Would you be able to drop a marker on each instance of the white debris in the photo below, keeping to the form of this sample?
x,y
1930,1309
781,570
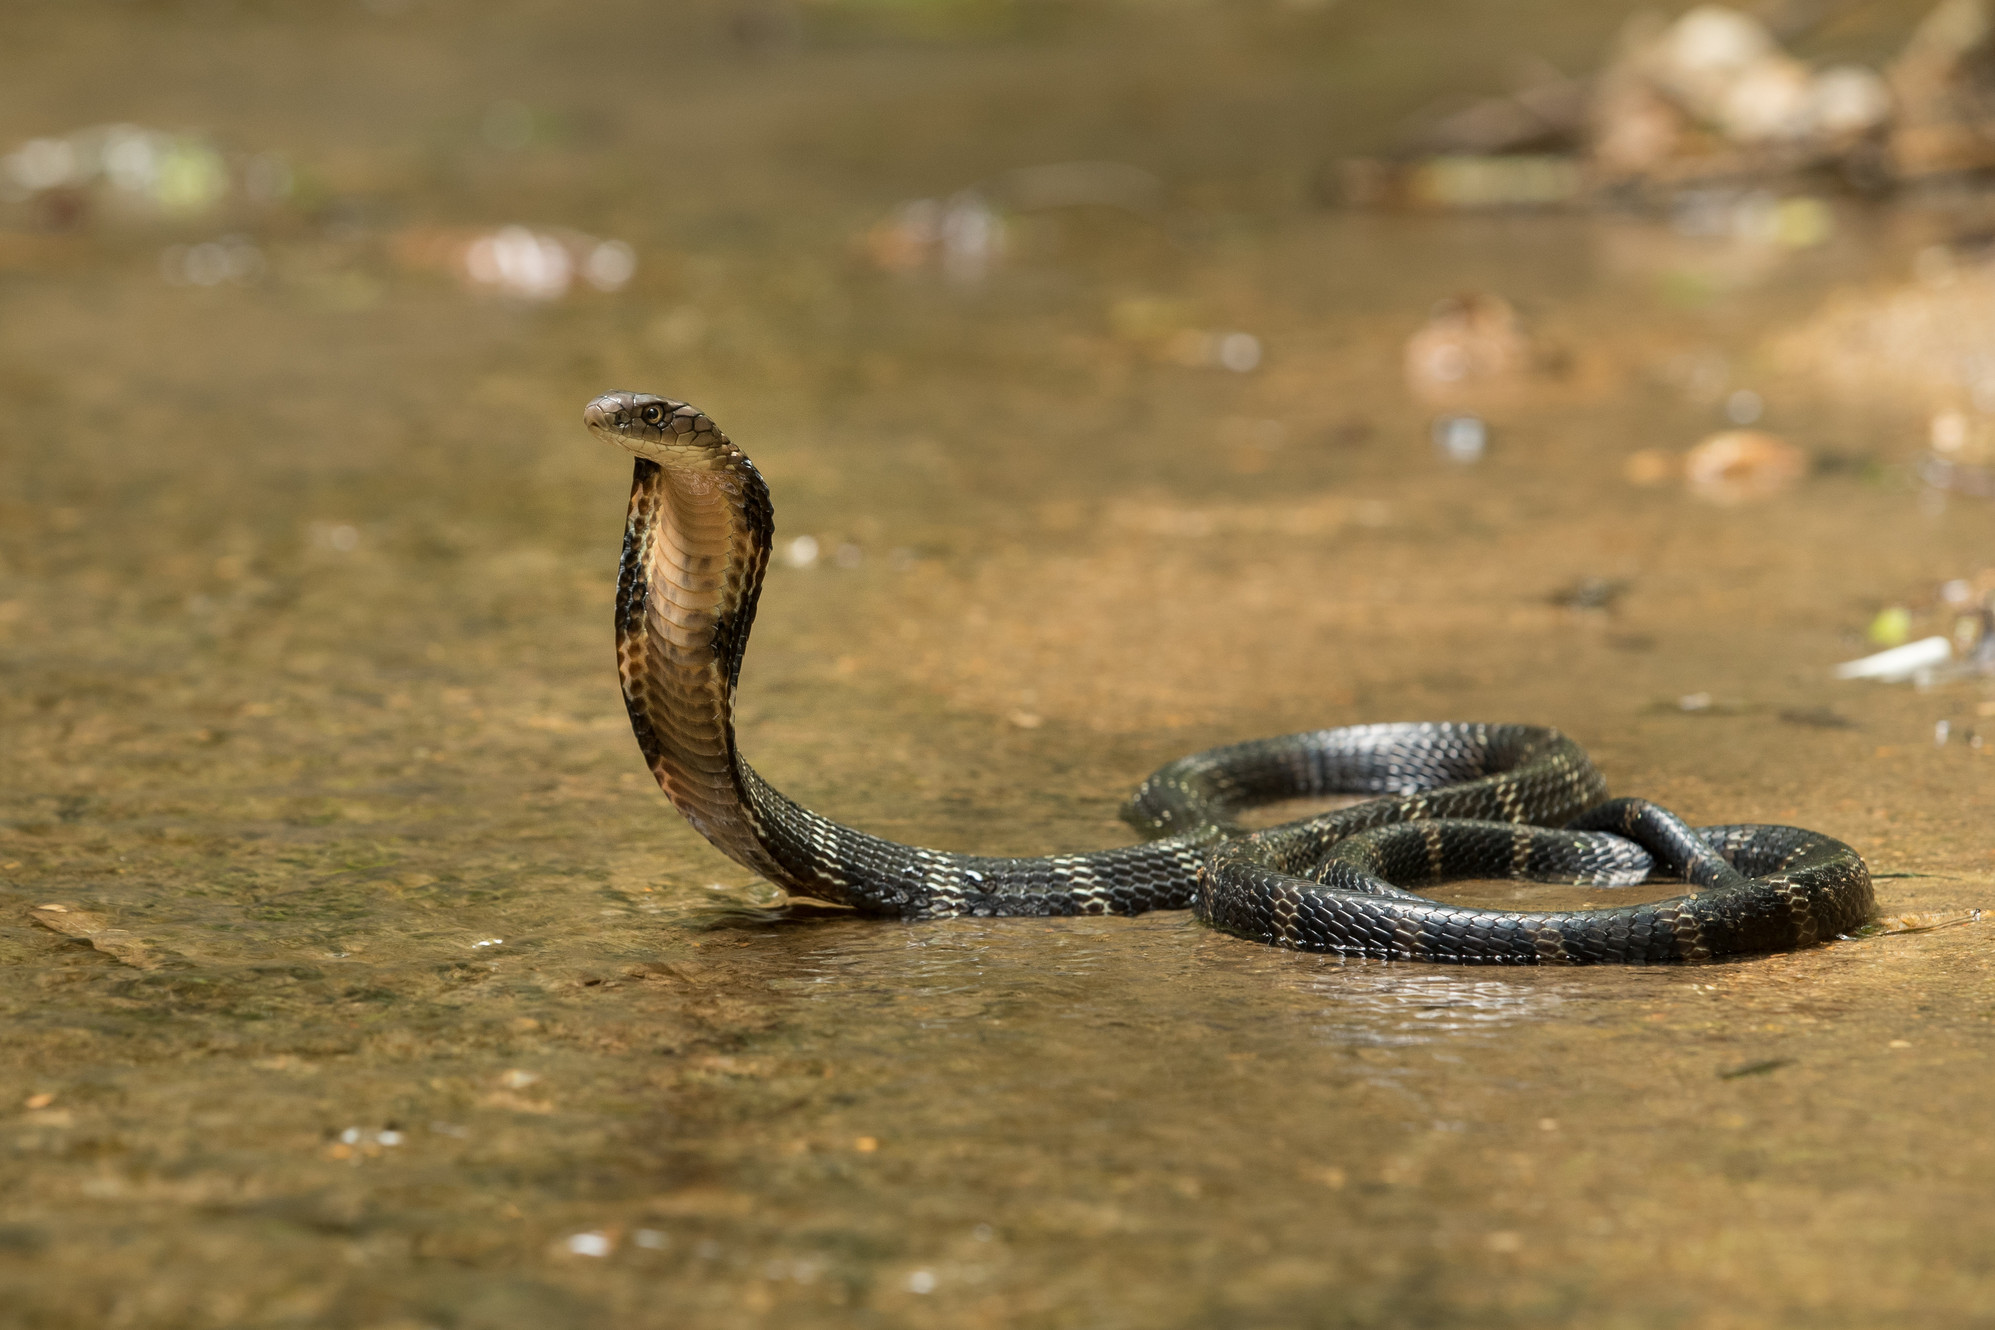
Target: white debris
x,y
543,265
520,262
610,265
1240,352
962,233
1846,101
183,174
1460,439
1744,407
1899,663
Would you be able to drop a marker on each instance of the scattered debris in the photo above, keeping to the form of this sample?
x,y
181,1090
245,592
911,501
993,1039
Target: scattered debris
x,y
1944,82
1709,101
963,235
1755,215
1958,620
518,260
1468,342
1713,96
541,266
134,171
1739,465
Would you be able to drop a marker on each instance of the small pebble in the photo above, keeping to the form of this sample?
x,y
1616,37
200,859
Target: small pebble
x,y
590,1244
1240,352
1460,439
1468,342
1744,407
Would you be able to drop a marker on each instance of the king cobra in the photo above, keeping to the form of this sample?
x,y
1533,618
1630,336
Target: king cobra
x,y
1453,800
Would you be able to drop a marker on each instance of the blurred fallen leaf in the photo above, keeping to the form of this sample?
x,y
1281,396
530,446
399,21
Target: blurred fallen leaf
x,y
94,928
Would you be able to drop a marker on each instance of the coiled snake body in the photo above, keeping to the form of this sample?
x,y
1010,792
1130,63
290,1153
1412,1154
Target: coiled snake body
x,y
1454,799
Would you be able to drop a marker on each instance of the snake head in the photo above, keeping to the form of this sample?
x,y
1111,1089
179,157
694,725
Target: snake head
x,y
661,430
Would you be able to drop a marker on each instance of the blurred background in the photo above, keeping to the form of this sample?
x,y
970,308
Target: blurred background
x,y
1131,377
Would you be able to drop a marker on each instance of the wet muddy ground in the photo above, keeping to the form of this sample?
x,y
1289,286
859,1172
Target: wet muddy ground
x,y
355,974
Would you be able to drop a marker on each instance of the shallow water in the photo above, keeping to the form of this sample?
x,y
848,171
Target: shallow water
x,y
423,1007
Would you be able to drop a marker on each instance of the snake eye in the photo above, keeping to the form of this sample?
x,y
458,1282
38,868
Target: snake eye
x,y
652,414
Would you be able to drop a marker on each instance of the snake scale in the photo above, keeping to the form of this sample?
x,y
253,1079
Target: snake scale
x,y
1452,800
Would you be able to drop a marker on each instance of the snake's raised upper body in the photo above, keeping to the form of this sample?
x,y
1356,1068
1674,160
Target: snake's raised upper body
x,y
697,542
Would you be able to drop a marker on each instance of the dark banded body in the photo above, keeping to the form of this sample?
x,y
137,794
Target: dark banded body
x,y
696,546
1765,888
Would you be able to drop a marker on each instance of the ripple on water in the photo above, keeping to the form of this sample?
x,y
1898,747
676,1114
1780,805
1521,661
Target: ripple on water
x,y
1382,1007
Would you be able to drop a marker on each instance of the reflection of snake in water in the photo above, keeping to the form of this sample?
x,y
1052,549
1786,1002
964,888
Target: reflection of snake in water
x,y
695,548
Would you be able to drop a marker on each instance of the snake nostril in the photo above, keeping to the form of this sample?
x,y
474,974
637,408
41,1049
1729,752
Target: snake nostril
x,y
601,414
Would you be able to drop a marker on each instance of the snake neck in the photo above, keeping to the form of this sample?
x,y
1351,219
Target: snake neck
x,y
695,547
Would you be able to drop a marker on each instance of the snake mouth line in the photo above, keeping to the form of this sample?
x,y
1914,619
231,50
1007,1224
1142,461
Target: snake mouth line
x,y
1476,799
